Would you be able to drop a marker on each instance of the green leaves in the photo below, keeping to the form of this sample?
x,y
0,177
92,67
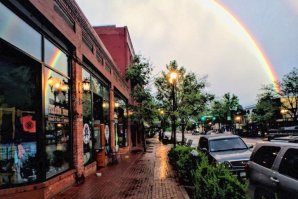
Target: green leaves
x,y
265,109
287,95
138,71
224,107
190,96
210,181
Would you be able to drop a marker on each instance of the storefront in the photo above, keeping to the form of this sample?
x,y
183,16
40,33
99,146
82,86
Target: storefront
x,y
95,115
120,118
35,132
53,129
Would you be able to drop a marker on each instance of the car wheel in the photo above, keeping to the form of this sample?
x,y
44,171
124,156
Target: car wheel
x,y
263,194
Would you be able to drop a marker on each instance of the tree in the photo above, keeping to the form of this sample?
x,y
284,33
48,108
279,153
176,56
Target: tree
x,y
144,110
287,94
218,111
226,108
190,98
265,111
193,100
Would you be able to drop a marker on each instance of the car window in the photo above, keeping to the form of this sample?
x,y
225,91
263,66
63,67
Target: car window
x,y
289,164
203,143
226,144
266,155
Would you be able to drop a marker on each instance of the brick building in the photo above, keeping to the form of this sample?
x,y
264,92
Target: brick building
x,y
118,43
52,126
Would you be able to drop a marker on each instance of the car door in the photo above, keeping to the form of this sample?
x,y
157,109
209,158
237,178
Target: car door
x,y
287,175
261,172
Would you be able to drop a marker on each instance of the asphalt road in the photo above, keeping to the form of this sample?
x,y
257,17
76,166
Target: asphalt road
x,y
195,138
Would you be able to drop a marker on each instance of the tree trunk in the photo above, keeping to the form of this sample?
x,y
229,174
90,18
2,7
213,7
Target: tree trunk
x,y
182,129
143,136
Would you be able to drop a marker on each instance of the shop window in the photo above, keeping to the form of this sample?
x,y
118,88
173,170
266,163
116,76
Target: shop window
x,y
87,122
120,117
95,117
19,117
96,86
55,58
57,130
17,32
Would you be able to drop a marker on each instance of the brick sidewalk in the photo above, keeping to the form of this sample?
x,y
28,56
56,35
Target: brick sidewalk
x,y
137,176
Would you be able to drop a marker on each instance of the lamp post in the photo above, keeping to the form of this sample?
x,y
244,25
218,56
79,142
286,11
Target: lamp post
x,y
161,112
173,81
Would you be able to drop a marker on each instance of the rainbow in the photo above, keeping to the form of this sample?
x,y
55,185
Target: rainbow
x,y
247,37
53,62
55,58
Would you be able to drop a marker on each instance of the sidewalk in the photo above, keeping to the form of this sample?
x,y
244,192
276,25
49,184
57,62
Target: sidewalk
x,y
137,176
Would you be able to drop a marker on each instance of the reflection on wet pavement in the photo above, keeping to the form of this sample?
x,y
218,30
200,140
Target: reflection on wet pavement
x,y
147,175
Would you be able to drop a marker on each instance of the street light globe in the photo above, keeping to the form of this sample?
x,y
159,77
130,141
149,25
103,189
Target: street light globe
x,y
173,76
283,111
162,112
238,118
116,104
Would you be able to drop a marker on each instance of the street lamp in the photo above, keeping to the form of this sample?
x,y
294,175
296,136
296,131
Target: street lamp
x,y
173,81
237,125
284,112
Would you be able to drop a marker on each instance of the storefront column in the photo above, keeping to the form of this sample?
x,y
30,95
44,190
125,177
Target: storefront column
x,y
76,97
112,120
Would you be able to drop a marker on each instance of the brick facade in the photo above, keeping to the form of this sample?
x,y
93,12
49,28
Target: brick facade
x,y
58,16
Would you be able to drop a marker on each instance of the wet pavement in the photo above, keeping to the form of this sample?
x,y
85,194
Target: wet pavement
x,y
137,175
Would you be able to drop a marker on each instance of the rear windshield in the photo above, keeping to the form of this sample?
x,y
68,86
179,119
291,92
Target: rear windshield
x,y
227,144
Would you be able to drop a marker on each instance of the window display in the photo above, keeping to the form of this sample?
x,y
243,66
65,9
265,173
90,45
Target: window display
x,y
95,114
120,117
19,114
57,130
27,148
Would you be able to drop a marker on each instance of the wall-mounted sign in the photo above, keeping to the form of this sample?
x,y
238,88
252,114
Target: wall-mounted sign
x,y
107,133
86,134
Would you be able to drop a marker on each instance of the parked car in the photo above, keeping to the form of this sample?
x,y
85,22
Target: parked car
x,y
292,139
283,131
229,150
273,171
195,132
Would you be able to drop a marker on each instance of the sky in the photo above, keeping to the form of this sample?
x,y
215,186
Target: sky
x,y
239,45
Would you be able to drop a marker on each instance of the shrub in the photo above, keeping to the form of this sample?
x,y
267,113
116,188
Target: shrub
x,y
187,164
177,153
212,182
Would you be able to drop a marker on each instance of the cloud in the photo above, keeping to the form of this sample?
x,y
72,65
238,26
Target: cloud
x,y
190,33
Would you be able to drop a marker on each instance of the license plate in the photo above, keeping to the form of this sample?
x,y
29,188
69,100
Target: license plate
x,y
242,174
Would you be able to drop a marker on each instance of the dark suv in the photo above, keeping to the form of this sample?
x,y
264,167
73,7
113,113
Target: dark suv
x,y
273,171
229,150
